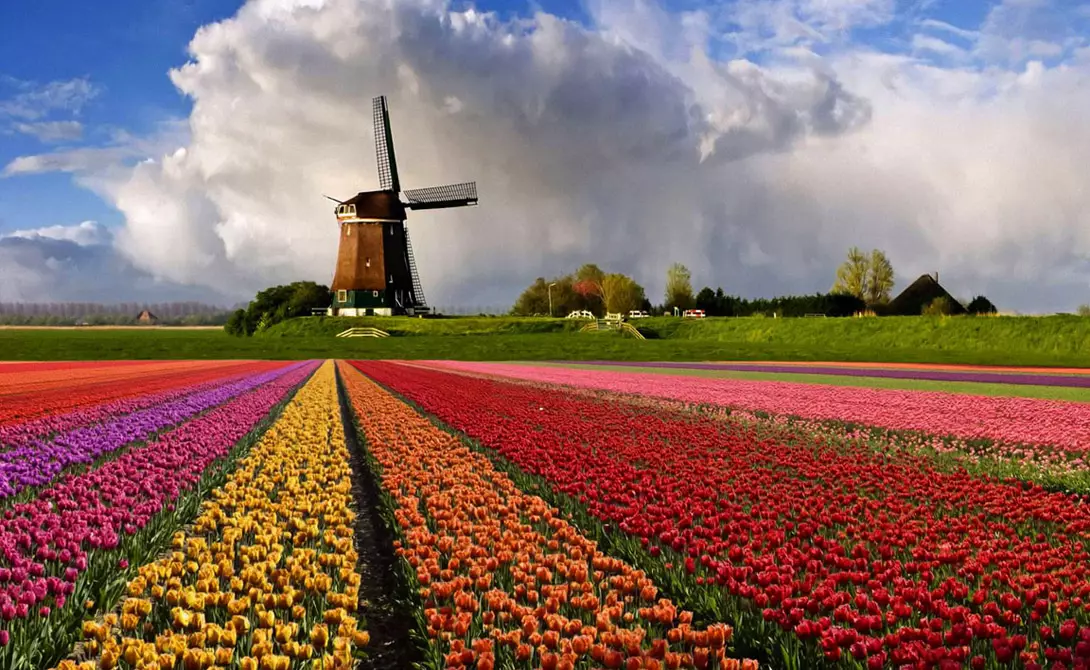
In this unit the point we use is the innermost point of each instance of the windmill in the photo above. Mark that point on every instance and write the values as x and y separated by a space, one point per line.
376 272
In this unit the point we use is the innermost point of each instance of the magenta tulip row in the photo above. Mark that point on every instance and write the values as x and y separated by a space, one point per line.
36 463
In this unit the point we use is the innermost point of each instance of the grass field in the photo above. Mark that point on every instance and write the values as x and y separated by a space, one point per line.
1032 341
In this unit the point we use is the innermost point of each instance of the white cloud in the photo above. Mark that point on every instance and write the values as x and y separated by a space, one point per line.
122 149
625 144
1018 30
51 131
84 233
34 101
769 24
79 263
926 43
935 24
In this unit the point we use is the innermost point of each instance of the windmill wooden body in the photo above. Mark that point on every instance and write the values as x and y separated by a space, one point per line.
376 272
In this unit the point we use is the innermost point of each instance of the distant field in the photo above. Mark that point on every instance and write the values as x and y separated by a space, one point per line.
1007 341
111 327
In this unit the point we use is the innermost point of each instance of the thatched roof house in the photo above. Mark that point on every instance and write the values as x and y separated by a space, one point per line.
919 294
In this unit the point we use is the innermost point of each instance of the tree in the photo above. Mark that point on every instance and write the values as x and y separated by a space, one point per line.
851 276
679 287
276 304
589 288
589 271
1084 310
867 277
879 278
587 282
534 300
707 300
236 324
621 293
981 305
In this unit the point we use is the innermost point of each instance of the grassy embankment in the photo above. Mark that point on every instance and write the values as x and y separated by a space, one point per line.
1042 341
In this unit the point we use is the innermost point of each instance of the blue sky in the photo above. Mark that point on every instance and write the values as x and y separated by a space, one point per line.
124 49
925 115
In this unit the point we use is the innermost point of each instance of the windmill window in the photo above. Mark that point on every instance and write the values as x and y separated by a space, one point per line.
374 294
368 262
346 210
391 279
342 296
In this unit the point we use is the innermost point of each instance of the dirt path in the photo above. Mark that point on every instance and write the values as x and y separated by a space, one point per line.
383 617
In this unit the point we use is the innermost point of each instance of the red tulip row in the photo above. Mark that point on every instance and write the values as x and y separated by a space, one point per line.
62 392
875 557
1009 420
23 367
20 380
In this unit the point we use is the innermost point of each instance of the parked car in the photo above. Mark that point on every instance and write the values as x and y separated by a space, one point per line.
693 314
638 314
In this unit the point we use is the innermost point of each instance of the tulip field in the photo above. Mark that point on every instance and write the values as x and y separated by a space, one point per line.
282 515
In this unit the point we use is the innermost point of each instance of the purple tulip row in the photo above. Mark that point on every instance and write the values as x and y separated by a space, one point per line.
1036 379
44 544
38 462
19 434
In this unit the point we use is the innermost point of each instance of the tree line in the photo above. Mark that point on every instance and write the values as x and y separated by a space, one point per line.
188 313
864 284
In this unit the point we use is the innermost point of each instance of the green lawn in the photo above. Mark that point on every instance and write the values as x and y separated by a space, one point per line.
971 388
82 344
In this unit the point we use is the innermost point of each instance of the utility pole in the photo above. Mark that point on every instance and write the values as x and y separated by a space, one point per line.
551 299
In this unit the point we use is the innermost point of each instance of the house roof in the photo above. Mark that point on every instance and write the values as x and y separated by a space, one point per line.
919 294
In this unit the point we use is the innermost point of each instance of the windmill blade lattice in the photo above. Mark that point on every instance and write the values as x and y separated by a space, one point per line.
384 147
435 197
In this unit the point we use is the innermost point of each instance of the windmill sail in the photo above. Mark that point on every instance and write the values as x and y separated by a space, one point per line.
384 147
418 289
439 197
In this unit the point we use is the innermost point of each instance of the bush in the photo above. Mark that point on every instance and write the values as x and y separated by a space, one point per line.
981 305
940 306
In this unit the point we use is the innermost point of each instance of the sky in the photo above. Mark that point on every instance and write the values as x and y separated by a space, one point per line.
179 149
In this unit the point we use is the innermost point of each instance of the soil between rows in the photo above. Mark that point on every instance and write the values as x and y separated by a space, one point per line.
389 625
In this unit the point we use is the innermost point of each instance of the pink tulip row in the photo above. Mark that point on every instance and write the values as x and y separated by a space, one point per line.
1051 459
44 544
1013 421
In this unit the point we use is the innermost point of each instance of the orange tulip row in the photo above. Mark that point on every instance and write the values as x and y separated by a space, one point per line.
504 580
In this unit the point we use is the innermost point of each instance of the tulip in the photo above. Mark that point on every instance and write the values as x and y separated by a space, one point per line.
833 535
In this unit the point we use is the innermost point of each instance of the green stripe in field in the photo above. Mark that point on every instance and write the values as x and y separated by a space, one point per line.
970 388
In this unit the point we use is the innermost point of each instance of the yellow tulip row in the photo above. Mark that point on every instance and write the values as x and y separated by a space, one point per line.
266 579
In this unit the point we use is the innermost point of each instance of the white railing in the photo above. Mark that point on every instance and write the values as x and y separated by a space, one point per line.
363 332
